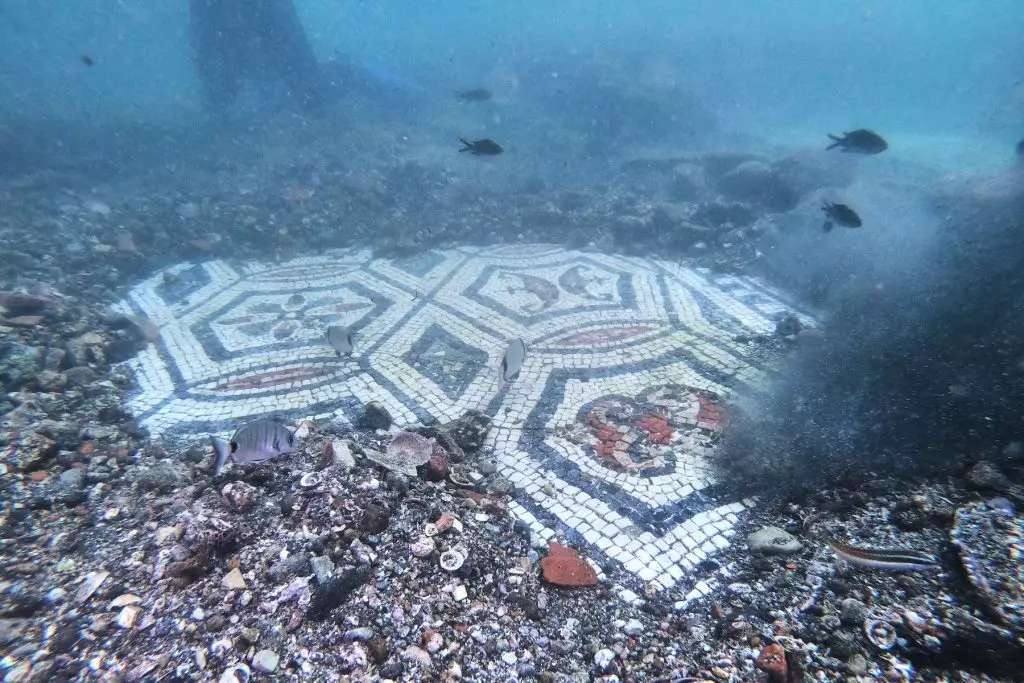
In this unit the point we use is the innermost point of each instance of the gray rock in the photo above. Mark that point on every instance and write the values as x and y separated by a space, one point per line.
265 661
633 627
986 476
323 568
756 182
374 416
80 376
853 612
162 476
771 540
687 183
857 665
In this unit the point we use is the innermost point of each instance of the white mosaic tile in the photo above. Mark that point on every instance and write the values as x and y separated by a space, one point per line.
608 433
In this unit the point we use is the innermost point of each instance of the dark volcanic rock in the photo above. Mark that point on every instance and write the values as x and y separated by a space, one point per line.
374 416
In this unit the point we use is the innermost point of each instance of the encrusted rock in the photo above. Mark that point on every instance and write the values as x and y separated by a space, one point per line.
238 495
470 430
990 542
374 416
987 477
772 661
374 520
771 540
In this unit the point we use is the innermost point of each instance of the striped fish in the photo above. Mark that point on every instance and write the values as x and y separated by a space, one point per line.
255 442
512 362
892 559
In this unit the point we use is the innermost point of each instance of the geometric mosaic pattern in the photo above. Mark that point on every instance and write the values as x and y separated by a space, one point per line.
607 433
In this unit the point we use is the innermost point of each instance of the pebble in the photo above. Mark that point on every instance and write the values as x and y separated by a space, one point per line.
460 593
234 580
19 672
604 658
363 633
125 599
633 627
509 658
128 616
771 540
857 665
265 661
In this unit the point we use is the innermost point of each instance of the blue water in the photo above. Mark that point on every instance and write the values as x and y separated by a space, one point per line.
930 69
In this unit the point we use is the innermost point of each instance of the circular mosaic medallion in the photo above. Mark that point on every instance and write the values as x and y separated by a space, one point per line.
607 432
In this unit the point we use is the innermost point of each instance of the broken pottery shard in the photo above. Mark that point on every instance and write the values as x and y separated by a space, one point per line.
563 567
406 451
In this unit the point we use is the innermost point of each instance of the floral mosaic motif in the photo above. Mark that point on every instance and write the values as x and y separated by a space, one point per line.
282 319
584 282
637 434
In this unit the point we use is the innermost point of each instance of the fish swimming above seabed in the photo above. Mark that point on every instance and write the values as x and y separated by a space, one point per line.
485 147
841 214
512 361
891 559
255 442
341 340
474 95
860 141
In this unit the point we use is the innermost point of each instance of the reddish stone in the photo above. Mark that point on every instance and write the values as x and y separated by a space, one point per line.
436 468
38 475
772 660
559 550
563 570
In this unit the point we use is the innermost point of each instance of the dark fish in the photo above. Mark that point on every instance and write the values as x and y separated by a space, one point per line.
841 214
341 340
254 442
474 95
1020 149
485 147
87 60
860 141
512 361
892 559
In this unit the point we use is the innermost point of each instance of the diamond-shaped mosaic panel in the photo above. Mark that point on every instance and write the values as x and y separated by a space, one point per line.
608 433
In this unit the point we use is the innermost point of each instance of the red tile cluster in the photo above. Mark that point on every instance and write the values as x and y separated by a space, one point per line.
711 414
563 567
658 429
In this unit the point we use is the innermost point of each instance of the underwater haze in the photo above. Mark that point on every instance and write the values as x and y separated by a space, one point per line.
558 341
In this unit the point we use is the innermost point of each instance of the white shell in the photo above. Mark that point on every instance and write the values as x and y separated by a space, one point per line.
236 673
309 480
451 560
881 633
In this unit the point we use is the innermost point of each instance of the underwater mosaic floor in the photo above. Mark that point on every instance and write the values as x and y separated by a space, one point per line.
607 432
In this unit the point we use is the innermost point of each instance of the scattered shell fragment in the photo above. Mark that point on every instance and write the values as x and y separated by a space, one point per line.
234 580
125 599
460 593
309 480
451 560
89 585
880 632
303 430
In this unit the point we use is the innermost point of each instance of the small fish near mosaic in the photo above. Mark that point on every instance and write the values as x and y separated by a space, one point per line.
255 442
630 434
